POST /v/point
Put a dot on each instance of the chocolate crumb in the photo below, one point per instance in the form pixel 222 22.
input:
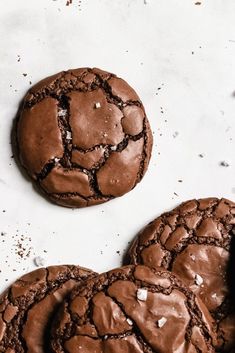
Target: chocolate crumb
pixel 39 261
pixel 224 164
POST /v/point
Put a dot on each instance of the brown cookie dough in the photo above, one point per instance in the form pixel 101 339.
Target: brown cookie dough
pixel 194 240
pixel 27 307
pixel 133 309
pixel 84 137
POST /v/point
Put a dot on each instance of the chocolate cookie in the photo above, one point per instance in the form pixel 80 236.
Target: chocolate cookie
pixel 195 241
pixel 27 307
pixel 84 137
pixel 133 310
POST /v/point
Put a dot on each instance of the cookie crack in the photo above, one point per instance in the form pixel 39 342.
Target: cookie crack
pixel 46 169
pixel 35 97
pixel 63 116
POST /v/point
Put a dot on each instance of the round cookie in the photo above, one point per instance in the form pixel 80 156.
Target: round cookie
pixel 27 307
pixel 133 309
pixel 84 137
pixel 196 241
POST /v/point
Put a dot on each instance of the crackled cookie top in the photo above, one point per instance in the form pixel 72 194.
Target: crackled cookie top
pixel 27 307
pixel 83 135
pixel 196 241
pixel 133 309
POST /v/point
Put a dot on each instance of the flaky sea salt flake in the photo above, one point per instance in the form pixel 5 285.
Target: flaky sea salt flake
pixel 161 322
pixel 129 321
pixel 142 294
pixel 68 135
pixel 198 280
pixel 62 113
pixel 97 105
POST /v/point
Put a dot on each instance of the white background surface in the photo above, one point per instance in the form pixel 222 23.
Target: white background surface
pixel 185 49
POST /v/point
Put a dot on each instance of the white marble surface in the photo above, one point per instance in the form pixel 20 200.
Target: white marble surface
pixel 185 49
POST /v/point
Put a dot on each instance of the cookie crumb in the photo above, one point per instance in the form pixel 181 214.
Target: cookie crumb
pixel 161 322
pixel 39 261
pixel 176 133
pixel 142 294
pixel 198 3
pixel 224 164
pixel 198 280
